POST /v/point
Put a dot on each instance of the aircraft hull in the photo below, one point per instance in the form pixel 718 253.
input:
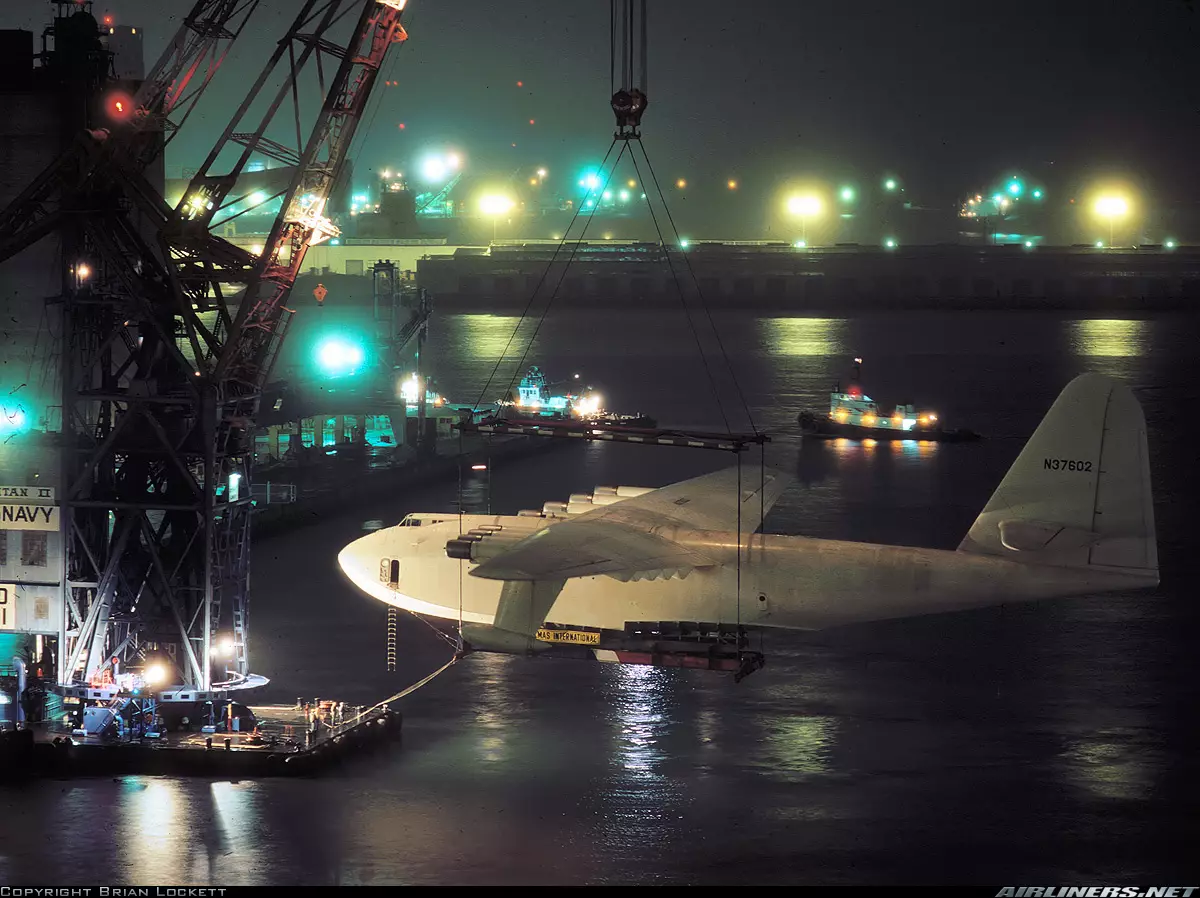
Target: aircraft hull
pixel 787 582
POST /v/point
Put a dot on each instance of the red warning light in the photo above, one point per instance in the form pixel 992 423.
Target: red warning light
pixel 531 121
pixel 108 20
pixel 119 106
pixel 401 126
pixel 520 84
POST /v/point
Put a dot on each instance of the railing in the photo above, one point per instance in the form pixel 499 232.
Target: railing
pixel 272 493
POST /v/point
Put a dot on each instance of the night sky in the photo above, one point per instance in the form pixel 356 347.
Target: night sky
pixel 945 94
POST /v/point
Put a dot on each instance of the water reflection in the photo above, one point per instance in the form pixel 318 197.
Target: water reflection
pixel 638 707
pixel 153 832
pixel 800 747
pixel 491 676
pixel 803 336
pixel 1111 765
pixel 237 816
pixel 486 336
pixel 1110 337
pixel 640 802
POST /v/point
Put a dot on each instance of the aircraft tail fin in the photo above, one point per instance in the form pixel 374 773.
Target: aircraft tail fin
pixel 1079 494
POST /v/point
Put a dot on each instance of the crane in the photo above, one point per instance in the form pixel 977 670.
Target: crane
pixel 169 333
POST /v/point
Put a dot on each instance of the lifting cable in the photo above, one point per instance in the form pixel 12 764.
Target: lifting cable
pixel 542 280
pixel 629 103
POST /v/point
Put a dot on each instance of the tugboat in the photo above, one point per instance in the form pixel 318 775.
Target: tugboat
pixel 535 400
pixel 855 415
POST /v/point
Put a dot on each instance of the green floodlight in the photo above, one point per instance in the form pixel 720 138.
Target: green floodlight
pixel 339 356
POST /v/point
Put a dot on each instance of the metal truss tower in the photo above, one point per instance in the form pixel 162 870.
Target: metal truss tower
pixel 169 334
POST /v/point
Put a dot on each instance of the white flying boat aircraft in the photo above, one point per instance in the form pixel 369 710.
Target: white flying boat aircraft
pixel 650 576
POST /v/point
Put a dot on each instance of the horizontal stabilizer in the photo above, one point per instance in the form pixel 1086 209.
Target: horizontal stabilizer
pixel 631 538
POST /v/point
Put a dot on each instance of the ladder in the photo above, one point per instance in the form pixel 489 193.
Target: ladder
pixel 392 620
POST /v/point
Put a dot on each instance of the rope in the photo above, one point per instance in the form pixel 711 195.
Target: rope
pixel 699 292
pixel 402 693
pixel 683 302
pixel 541 280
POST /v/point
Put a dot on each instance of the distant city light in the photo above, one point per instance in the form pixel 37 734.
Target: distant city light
pixel 434 168
pixel 1099 244
pixel 1037 194
pixel 889 184
pixel 681 183
pixel 1028 244
pixel 1111 206
pixel 590 180
pixel 624 195
pixel 804 205
pixel 1170 244
pixel 631 183
pixel 890 243
pixel 683 242
pixel 495 204
pixel 541 173
pixel 1015 188
pixel 731 184
pixel 800 244
pixel 847 194
pixel 257 198
pixel 257 249
pixel 607 195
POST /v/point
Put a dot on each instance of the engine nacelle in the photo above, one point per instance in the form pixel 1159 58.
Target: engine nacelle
pixel 485 543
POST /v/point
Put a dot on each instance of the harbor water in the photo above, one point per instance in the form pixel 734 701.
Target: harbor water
pixel 1051 743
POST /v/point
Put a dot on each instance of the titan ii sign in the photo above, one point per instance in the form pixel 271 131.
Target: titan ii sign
pixel 28 508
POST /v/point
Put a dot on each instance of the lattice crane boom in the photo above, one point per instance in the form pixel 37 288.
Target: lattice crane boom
pixel 168 333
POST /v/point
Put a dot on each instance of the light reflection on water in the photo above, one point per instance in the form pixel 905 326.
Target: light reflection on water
pixel 1109 765
pixel 803 336
pixel 1110 337
pixel 799 747
pixel 638 709
pixel 152 828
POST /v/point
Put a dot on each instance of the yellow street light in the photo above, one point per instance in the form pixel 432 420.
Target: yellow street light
pixel 1112 208
pixel 495 205
pixel 804 206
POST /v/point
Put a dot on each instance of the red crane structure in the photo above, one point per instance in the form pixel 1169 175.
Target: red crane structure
pixel 169 333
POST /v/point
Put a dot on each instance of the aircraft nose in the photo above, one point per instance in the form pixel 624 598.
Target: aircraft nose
pixel 360 560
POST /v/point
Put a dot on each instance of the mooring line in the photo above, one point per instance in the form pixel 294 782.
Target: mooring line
pixel 403 692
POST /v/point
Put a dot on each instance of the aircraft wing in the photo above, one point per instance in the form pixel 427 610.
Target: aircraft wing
pixel 631 539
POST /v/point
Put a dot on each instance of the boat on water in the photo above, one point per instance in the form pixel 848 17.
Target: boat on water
pixel 854 415
pixel 536 399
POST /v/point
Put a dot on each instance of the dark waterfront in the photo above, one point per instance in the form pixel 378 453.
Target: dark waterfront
pixel 1051 743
